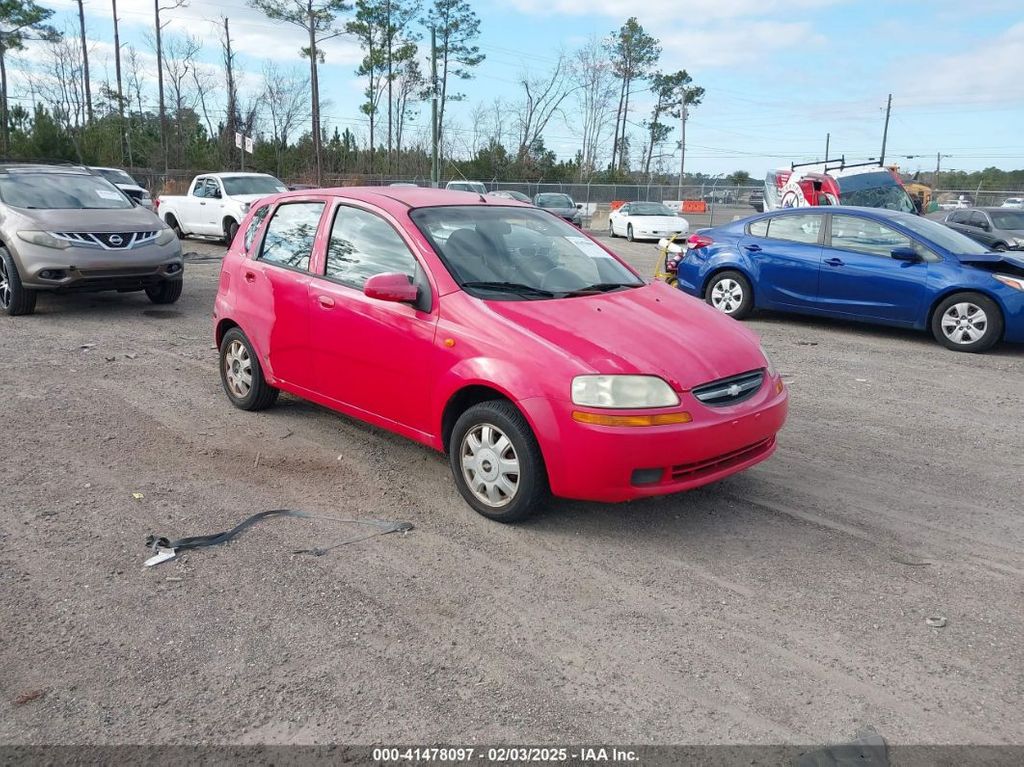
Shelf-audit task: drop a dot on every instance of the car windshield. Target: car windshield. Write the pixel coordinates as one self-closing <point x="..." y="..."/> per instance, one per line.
<point x="505" y="253"/>
<point x="1004" y="219"/>
<point x="61" y="191"/>
<point x="942" y="235"/>
<point x="649" y="209"/>
<point x="239" y="185"/>
<point x="555" y="201"/>
<point x="116" y="176"/>
<point x="874" y="190"/>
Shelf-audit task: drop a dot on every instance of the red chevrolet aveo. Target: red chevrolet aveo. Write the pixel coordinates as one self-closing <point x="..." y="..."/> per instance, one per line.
<point x="495" y="332"/>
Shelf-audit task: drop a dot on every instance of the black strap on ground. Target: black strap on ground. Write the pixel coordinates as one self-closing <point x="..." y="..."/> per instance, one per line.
<point x="196" y="541"/>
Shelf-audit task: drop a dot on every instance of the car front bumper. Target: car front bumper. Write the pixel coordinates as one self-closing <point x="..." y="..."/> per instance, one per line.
<point x="92" y="269"/>
<point x="610" y="464"/>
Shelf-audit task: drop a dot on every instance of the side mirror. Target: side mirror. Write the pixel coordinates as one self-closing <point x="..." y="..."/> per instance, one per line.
<point x="391" y="286"/>
<point x="217" y="194"/>
<point x="905" y="254"/>
<point x="984" y="225"/>
<point x="579" y="205"/>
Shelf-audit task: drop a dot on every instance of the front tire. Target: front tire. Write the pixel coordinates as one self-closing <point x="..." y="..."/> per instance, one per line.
<point x="172" y="222"/>
<point x="999" y="247"/>
<point x="15" y="298"/>
<point x="731" y="294"/>
<point x="230" y="230"/>
<point x="166" y="292"/>
<point x="629" y="232"/>
<point x="241" y="374"/>
<point x="967" y="322"/>
<point x="497" y="463"/>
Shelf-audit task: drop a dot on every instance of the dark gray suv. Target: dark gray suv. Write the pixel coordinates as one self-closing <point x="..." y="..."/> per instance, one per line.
<point x="995" y="228"/>
<point x="65" y="228"/>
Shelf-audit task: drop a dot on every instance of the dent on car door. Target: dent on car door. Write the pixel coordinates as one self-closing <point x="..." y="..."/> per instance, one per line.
<point x="377" y="357"/>
<point x="786" y="251"/>
<point x="273" y="289"/>
<point x="860" y="278"/>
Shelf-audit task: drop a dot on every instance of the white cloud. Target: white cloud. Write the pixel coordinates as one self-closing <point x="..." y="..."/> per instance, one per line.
<point x="694" y="12"/>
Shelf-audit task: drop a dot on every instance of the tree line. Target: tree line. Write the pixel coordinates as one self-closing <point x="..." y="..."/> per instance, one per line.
<point x="188" y="118"/>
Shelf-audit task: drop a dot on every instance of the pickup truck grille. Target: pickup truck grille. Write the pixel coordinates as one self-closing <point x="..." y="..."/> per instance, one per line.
<point x="730" y="391"/>
<point x="108" y="240"/>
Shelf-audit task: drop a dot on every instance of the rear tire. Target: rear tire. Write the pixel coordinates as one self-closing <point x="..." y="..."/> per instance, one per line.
<point x="241" y="374"/>
<point x="967" y="322"/>
<point x="230" y="230"/>
<point x="166" y="292"/>
<point x="611" y="230"/>
<point x="629" y="232"/>
<point x="15" y="298"/>
<point x="730" y="292"/>
<point x="497" y="463"/>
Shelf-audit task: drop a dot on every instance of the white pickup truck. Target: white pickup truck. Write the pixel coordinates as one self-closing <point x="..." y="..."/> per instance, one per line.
<point x="216" y="203"/>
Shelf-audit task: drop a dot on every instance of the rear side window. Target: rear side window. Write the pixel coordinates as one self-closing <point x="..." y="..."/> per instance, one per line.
<point x="795" y="228"/>
<point x="199" y="188"/>
<point x="291" y="233"/>
<point x="759" y="228"/>
<point x="362" y="245"/>
<point x="866" y="236"/>
<point x="978" y="219"/>
<point x="254" y="226"/>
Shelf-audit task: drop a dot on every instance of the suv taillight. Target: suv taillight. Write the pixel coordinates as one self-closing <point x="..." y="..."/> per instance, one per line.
<point x="699" y="241"/>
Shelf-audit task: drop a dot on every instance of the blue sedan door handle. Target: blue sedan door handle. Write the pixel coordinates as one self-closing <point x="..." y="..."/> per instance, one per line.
<point x="753" y="248"/>
<point x="834" y="261"/>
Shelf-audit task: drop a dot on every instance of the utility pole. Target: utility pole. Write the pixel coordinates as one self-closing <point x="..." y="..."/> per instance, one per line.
<point x="885" y="133"/>
<point x="938" y="163"/>
<point x="828" y="138"/>
<point x="435" y="165"/>
<point x="231" y="125"/>
<point x="314" y="91"/>
<point x="682" y="145"/>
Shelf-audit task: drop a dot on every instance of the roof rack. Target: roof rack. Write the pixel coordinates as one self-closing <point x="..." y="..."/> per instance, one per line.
<point x="842" y="164"/>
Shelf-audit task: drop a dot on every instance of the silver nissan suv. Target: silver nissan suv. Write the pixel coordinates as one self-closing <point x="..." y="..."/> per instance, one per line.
<point x="66" y="229"/>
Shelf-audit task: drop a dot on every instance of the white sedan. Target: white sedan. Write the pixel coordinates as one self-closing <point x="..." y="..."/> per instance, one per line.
<point x="645" y="221"/>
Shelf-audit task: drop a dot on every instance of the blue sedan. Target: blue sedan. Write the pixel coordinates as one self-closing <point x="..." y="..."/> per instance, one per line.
<point x="864" y="264"/>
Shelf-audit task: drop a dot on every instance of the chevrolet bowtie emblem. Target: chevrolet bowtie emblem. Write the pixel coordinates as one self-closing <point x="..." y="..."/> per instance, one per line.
<point x="734" y="390"/>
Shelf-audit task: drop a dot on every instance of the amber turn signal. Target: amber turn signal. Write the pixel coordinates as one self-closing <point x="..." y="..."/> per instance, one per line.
<point x="607" y="419"/>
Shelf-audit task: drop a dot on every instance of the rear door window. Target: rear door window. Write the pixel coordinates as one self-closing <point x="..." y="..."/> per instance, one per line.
<point x="290" y="235"/>
<point x="758" y="228"/>
<point x="199" y="188"/>
<point x="801" y="228"/>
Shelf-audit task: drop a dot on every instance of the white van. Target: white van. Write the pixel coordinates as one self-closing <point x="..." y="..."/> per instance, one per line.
<point x="476" y="187"/>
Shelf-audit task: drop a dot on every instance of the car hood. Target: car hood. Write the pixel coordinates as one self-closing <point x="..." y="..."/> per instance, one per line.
<point x="134" y="219"/>
<point x="659" y="222"/>
<point x="654" y="330"/>
<point x="994" y="262"/>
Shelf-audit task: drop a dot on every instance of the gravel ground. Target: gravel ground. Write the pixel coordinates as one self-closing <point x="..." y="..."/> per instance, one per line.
<point x="784" y="605"/>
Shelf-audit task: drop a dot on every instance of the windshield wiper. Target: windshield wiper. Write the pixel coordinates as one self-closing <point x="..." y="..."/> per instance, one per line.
<point x="602" y="287"/>
<point x="509" y="287"/>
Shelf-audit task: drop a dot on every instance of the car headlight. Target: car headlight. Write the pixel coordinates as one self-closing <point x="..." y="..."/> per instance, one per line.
<point x="166" y="236"/>
<point x="1017" y="283"/>
<point x="769" y="365"/>
<point x="625" y="392"/>
<point x="44" y="239"/>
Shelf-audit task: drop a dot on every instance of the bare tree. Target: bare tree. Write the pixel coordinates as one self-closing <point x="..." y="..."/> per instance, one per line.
<point x="316" y="18"/>
<point x="158" y="27"/>
<point x="285" y="95"/>
<point x="136" y="79"/>
<point x="542" y="99"/>
<point x="122" y="129"/>
<point x="409" y="82"/>
<point x="179" y="61"/>
<point x="231" y="120"/>
<point x="595" y="95"/>
<point x="58" y="78"/>
<point x="85" y="59"/>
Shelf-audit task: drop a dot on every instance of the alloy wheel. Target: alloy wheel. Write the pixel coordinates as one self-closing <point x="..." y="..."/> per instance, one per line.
<point x="490" y="465"/>
<point x="238" y="369"/>
<point x="964" y="323"/>
<point x="5" y="285"/>
<point x="727" y="295"/>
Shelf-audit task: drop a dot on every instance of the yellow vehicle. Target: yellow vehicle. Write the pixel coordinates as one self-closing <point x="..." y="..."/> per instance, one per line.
<point x="670" y="250"/>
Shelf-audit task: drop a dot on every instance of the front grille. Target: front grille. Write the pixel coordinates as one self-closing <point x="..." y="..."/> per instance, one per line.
<point x="730" y="391"/>
<point x="689" y="471"/>
<point x="108" y="240"/>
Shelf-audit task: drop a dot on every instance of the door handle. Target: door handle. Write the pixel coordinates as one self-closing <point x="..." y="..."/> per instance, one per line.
<point x="325" y="301"/>
<point x="834" y="261"/>
<point x="202" y="203"/>
<point x="250" y="277"/>
<point x="753" y="248"/>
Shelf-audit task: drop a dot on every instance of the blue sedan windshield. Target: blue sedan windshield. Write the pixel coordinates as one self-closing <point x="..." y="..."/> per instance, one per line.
<point x="942" y="235"/>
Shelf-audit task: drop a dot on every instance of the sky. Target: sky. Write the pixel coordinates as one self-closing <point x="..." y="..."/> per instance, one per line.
<point x="778" y="74"/>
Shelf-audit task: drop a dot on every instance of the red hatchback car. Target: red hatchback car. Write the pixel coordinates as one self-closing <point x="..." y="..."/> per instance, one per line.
<point x="495" y="332"/>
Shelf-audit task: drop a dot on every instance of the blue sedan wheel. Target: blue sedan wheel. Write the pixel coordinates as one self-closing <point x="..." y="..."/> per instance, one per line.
<point x="730" y="293"/>
<point x="967" y="322"/>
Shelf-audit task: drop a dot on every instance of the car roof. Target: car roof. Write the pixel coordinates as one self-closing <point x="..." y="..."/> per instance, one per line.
<point x="15" y="167"/>
<point x="397" y="197"/>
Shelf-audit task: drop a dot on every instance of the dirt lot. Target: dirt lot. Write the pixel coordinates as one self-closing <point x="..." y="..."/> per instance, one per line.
<point x="787" y="604"/>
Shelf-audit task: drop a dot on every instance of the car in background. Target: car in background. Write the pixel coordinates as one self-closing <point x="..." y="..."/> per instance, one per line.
<point x="995" y="228"/>
<point x="872" y="265"/>
<point x="827" y="184"/>
<point x="510" y="194"/>
<point x="216" y="203"/>
<point x="561" y="205"/>
<point x="123" y="181"/>
<point x="498" y="334"/>
<point x="1013" y="202"/>
<point x="756" y="200"/>
<point x="646" y="221"/>
<point x="65" y="229"/>
<point x="404" y="185"/>
<point x="476" y="187"/>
